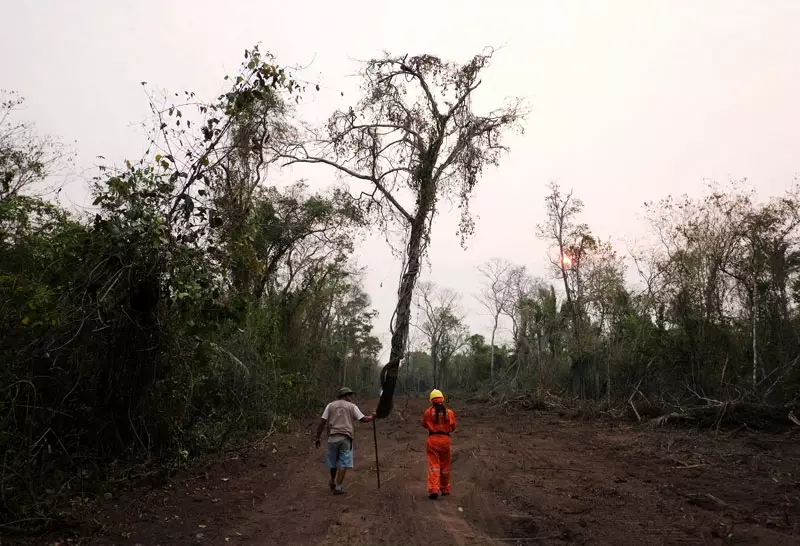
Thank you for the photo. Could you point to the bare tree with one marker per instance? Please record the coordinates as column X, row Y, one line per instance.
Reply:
column 442, row 323
column 571, row 240
column 520, row 285
column 26, row 158
column 496, row 296
column 412, row 140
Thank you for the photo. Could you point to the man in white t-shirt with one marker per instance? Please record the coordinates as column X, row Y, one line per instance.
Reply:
column 339, row 418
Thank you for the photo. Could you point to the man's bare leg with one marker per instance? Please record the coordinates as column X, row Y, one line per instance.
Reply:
column 338, row 489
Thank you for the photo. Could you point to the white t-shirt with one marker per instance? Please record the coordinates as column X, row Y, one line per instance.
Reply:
column 341, row 416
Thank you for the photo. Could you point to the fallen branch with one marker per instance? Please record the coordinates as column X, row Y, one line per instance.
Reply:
column 14, row 527
column 658, row 421
column 684, row 465
column 701, row 500
column 729, row 414
column 515, row 539
column 630, row 401
column 527, row 539
column 557, row 468
column 271, row 430
column 636, row 390
column 788, row 368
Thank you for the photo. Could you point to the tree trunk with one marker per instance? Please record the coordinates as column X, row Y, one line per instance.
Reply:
column 754, row 311
column 435, row 365
column 404, row 297
column 442, row 385
column 571, row 303
column 491, row 358
column 754, row 320
column 344, row 365
column 539, row 358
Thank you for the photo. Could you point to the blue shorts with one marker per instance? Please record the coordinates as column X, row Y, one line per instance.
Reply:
column 340, row 452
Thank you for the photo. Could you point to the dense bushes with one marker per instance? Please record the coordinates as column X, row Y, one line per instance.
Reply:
column 193, row 306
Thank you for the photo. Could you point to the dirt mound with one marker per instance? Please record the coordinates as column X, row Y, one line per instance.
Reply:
column 520, row 479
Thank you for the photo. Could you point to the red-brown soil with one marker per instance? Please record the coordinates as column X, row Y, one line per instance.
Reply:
column 528, row 478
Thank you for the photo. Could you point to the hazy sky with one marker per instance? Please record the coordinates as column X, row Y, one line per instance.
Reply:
column 630, row 100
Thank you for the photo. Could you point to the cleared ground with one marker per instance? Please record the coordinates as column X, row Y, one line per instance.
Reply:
column 528, row 478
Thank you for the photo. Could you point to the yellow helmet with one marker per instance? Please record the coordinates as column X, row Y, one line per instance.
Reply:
column 435, row 393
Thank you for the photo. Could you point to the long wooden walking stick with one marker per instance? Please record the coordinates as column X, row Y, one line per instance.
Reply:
column 375, row 439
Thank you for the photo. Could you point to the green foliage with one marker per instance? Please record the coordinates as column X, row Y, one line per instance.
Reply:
column 712, row 316
column 198, row 304
column 193, row 307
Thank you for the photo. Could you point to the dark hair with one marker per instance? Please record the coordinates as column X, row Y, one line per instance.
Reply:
column 440, row 409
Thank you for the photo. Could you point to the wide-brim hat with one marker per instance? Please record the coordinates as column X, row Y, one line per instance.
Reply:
column 344, row 391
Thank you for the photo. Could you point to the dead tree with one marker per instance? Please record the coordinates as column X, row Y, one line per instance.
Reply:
column 442, row 323
column 496, row 296
column 412, row 140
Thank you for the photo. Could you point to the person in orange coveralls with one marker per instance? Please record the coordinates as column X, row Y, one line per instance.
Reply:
column 440, row 421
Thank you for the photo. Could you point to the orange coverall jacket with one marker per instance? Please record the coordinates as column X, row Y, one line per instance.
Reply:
column 438, row 449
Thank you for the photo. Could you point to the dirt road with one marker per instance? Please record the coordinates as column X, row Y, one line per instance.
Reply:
column 522, row 479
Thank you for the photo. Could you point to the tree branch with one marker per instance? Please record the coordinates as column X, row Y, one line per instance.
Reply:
column 350, row 172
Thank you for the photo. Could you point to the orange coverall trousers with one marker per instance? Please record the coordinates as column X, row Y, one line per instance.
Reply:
column 438, row 450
